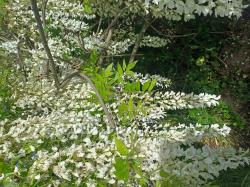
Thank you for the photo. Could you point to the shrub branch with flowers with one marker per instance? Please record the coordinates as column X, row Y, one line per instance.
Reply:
column 86, row 122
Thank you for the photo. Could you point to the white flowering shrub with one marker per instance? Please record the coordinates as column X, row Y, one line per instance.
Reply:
column 66, row 139
column 108, row 129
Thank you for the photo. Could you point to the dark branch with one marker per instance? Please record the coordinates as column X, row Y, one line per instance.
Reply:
column 44, row 42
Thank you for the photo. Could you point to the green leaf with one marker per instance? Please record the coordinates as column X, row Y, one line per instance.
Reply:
column 108, row 70
column 130, row 73
column 93, row 57
column 122, row 108
column 145, row 86
column 158, row 184
column 87, row 6
column 119, row 69
column 124, row 65
column 101, row 184
column 122, row 169
column 137, row 168
column 131, row 65
column 143, row 182
column 129, row 87
column 138, row 86
column 121, row 147
column 5, row 168
column 130, row 105
column 152, row 85
column 164, row 174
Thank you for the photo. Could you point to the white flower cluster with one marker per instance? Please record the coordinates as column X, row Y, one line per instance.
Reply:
column 175, row 9
column 67, row 16
column 154, row 41
column 10, row 46
column 172, row 9
column 180, row 100
column 162, row 82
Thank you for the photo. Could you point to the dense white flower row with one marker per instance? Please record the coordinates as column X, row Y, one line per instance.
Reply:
column 171, row 9
column 162, row 82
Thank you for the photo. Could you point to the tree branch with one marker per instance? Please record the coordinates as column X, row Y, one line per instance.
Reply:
column 44, row 6
column 44, row 41
column 90, row 82
column 75, row 74
column 104, row 49
column 106, row 111
column 145, row 25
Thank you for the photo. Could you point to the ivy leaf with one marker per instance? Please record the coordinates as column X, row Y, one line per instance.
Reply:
column 122, row 169
column 121, row 147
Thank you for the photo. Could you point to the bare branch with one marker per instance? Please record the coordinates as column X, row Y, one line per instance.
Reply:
column 145, row 25
column 75, row 74
column 171, row 36
column 44, row 42
column 44, row 6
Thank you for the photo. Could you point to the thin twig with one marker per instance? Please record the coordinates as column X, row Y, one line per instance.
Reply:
column 106, row 111
column 171, row 36
column 99, row 25
column 44, row 6
column 103, row 50
column 19, row 58
column 89, row 81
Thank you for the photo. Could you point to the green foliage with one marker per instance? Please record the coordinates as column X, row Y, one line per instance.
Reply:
column 169, row 180
column 126, row 165
column 2, row 11
column 87, row 6
column 121, row 147
column 5, row 89
column 234, row 177
column 221, row 114
column 122, row 169
column 130, row 110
